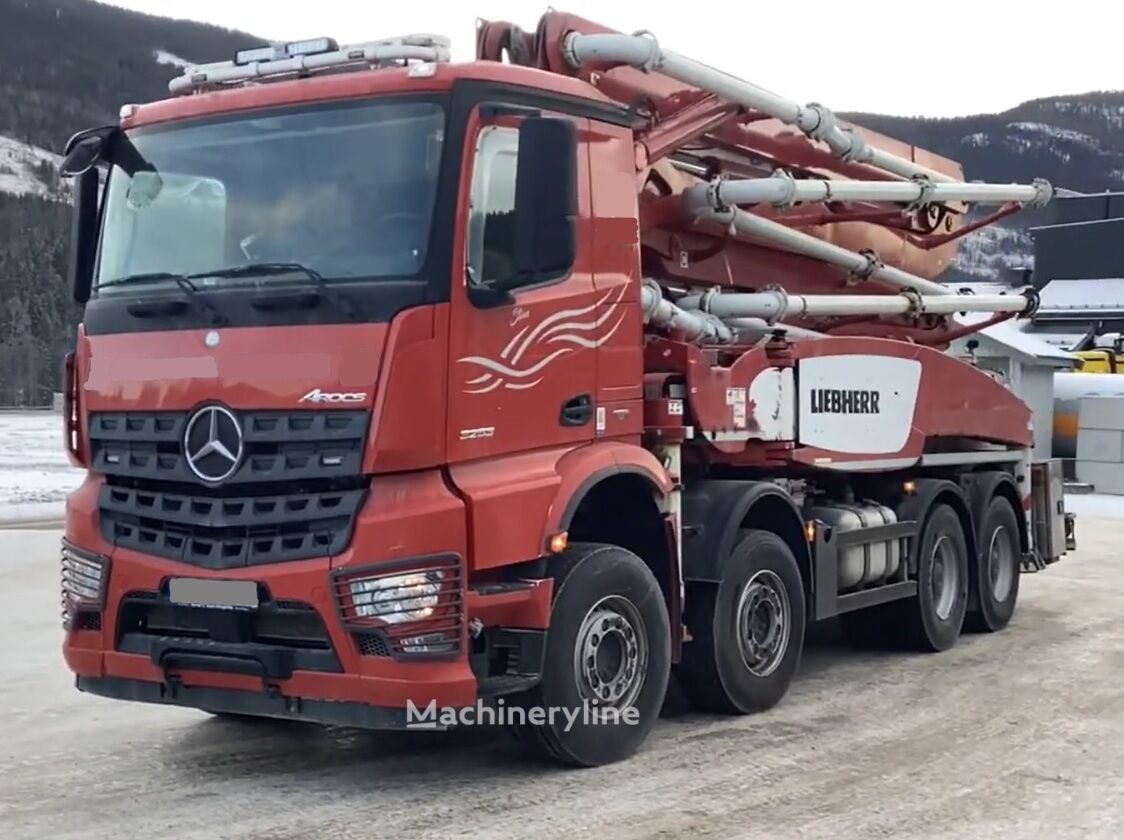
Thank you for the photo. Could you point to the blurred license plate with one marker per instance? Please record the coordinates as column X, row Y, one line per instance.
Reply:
column 229, row 594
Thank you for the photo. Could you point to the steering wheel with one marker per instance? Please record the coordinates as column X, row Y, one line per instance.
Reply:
column 392, row 236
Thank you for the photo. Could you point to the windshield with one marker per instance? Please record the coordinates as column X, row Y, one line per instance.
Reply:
column 346, row 191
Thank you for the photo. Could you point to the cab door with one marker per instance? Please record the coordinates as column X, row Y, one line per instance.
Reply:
column 523, row 364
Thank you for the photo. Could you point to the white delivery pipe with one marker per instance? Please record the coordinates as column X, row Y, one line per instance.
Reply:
column 774, row 305
column 782, row 190
column 703, row 327
column 696, row 326
column 814, row 120
column 861, row 265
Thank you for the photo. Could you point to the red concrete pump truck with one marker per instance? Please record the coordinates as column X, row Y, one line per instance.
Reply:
column 530, row 383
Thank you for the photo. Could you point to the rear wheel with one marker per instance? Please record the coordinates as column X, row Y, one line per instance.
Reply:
column 607, row 659
column 996, row 581
column 937, row 614
column 932, row 619
column 747, row 633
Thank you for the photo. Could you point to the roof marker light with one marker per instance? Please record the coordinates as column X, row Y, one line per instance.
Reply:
column 277, row 52
column 258, row 54
column 311, row 46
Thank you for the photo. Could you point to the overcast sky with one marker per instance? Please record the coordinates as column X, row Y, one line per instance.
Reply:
column 939, row 59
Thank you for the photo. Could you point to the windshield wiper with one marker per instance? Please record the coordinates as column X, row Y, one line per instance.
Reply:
column 265, row 269
column 149, row 277
column 181, row 280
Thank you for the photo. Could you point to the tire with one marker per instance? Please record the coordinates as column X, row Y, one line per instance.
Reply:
column 608, row 647
column 995, row 584
column 747, row 633
column 930, row 621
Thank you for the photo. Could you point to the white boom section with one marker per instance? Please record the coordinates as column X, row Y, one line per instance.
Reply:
column 644, row 52
column 774, row 305
column 864, row 265
column 425, row 48
column 782, row 190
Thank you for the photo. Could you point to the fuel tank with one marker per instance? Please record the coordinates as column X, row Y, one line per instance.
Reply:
column 862, row 565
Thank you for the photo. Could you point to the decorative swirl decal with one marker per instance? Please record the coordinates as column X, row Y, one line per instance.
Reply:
column 565, row 327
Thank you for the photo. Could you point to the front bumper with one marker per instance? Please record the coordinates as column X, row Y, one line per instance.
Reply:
column 108, row 658
column 260, row 704
column 238, row 666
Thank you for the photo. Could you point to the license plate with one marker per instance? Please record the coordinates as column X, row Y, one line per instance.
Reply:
column 228, row 594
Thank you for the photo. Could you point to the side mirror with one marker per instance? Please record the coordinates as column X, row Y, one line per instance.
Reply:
column 83, row 234
column 546, row 203
column 80, row 161
column 84, row 150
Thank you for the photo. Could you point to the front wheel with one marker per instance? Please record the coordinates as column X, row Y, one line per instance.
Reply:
column 747, row 633
column 607, row 660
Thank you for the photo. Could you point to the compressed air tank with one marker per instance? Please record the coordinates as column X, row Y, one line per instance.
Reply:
column 1069, row 388
column 862, row 565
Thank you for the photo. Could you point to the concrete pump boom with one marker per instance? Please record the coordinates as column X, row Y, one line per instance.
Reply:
column 713, row 130
column 643, row 51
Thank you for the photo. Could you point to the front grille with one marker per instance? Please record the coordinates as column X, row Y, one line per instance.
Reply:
column 294, row 494
column 280, row 445
column 148, row 621
column 221, row 533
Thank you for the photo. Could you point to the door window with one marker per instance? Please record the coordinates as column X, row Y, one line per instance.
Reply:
column 491, row 211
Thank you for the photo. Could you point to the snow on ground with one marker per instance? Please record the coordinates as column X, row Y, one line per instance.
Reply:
column 1094, row 506
column 35, row 475
column 20, row 167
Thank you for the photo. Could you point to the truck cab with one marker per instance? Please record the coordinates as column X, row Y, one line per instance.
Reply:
column 342, row 338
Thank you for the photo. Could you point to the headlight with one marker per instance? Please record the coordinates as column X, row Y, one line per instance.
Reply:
column 406, row 610
column 408, row 597
column 83, row 581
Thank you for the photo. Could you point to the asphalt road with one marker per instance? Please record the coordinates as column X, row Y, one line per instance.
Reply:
column 1019, row 734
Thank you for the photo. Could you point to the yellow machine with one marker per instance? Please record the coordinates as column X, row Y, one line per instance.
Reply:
column 1101, row 360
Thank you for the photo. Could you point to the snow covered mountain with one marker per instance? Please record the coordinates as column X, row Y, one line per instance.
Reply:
column 1075, row 142
column 69, row 64
column 28, row 170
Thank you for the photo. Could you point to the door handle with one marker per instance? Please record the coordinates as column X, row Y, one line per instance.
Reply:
column 576, row 411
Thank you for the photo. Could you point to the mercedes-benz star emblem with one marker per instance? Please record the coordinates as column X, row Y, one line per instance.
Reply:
column 212, row 443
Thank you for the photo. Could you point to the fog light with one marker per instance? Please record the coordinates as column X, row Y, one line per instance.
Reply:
column 409, row 597
column 429, row 643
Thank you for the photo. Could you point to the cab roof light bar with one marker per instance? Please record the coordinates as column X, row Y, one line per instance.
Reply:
column 295, row 58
